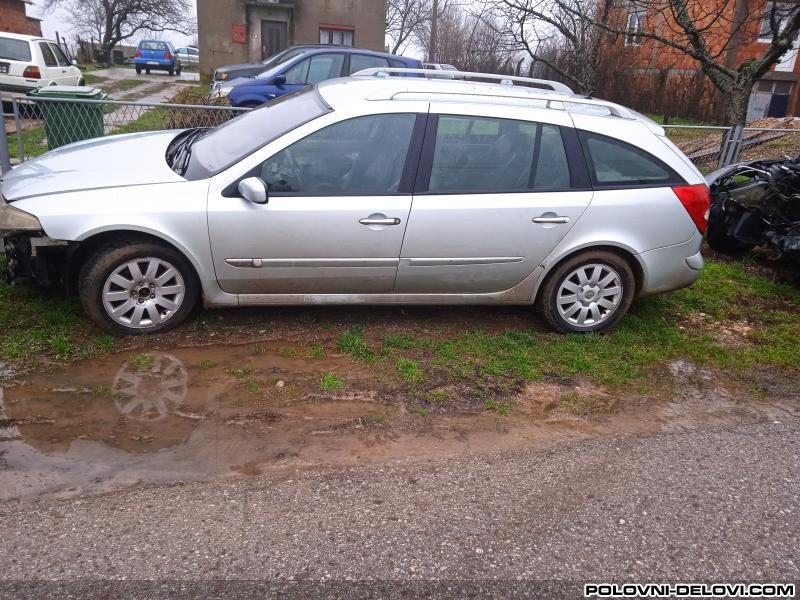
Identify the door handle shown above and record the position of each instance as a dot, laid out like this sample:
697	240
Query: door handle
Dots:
387	221
554	220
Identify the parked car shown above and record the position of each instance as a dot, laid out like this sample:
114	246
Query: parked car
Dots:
314	65
444	70
156	55
189	56
520	196
29	62
230	72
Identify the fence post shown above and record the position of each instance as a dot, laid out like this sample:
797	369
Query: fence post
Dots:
5	157
18	125
731	146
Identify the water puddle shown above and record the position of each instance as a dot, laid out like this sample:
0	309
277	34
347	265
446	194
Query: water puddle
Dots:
195	414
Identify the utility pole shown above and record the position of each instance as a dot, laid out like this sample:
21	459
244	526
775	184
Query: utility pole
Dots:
434	19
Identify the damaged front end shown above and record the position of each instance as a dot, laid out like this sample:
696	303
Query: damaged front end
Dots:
756	204
30	254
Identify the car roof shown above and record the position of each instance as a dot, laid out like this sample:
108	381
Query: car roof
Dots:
341	93
26	38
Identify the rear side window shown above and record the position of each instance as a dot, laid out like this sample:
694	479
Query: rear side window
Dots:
484	155
47	54
60	56
14	49
615	163
161	46
359	62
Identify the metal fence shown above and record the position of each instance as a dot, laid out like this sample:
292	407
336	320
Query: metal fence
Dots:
50	123
33	128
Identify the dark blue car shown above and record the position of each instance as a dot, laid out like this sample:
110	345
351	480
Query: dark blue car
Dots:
311	67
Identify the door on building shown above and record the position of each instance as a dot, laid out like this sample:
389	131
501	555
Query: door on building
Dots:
274	37
769	99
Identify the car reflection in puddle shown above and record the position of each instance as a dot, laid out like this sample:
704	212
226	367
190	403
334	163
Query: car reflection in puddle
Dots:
152	393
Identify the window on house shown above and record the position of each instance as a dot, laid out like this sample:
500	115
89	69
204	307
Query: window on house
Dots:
339	36
636	19
776	14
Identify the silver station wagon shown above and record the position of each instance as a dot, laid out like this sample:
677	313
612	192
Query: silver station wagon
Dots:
373	189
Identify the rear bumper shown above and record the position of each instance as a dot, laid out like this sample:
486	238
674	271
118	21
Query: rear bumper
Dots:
672	267
154	63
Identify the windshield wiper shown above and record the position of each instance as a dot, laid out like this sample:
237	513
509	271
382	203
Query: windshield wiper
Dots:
180	152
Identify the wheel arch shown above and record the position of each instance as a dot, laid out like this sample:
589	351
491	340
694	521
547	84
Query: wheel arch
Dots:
90	243
624	253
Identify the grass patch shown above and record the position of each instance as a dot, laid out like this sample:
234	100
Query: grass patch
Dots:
409	370
316	351
397	341
153	120
354	344
331	383
579	405
93	80
205	365
502	408
143	361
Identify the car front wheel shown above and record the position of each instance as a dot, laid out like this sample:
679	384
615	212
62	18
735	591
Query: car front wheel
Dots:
137	287
588	293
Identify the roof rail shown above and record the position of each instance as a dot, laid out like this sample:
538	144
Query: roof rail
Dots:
503	79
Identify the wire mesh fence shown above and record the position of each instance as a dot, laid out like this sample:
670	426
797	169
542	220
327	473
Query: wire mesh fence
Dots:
34	127
50	123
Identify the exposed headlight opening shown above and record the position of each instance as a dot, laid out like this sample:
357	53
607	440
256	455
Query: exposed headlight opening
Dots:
14	220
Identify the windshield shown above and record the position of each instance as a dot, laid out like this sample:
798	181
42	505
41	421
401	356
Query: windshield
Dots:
282	57
229	143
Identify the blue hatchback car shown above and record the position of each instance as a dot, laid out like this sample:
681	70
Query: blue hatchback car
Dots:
311	67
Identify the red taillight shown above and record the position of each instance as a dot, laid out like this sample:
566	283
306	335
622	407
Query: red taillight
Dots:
696	199
167	56
32	72
138	54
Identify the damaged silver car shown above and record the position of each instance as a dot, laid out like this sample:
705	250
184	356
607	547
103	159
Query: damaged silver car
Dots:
756	204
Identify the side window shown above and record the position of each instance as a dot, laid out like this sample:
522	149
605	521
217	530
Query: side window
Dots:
194	52
47	54
613	162
359	62
480	154
315	69
360	156
60	56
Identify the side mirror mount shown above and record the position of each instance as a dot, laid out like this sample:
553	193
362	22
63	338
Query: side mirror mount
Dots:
74	62
253	189
280	80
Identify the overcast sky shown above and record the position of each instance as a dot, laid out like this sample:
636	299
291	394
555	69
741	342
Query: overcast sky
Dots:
58	21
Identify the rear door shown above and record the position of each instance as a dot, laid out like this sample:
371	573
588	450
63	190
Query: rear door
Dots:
51	71
494	197
359	62
338	206
66	76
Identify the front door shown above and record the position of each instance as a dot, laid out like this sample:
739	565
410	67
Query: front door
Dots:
497	203
274	38
338	205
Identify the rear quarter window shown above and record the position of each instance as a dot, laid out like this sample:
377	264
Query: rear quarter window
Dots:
613	163
11	49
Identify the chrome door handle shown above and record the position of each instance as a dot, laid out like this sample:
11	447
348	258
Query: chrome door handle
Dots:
370	221
551	220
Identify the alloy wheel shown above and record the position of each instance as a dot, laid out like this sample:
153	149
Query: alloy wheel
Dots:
589	295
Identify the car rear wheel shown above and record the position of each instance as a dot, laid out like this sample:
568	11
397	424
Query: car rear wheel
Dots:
588	293
138	70
172	72
137	287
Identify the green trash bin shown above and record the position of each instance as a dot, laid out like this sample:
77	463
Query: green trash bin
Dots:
67	122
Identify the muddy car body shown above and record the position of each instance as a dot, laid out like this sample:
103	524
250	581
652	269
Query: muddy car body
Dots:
756	204
371	189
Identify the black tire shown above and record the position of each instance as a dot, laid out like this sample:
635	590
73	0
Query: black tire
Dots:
719	240
138	70
172	72
147	71
549	295
108	258
82	82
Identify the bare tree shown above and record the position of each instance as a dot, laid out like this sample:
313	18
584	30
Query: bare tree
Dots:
555	34
404	19
113	21
469	40
713	34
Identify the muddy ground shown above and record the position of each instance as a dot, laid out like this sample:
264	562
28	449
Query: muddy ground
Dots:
199	413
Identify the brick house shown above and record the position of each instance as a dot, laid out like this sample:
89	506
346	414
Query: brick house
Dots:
14	19
665	80
240	31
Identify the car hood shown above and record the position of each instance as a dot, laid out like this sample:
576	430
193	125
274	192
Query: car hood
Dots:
227	68
115	161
